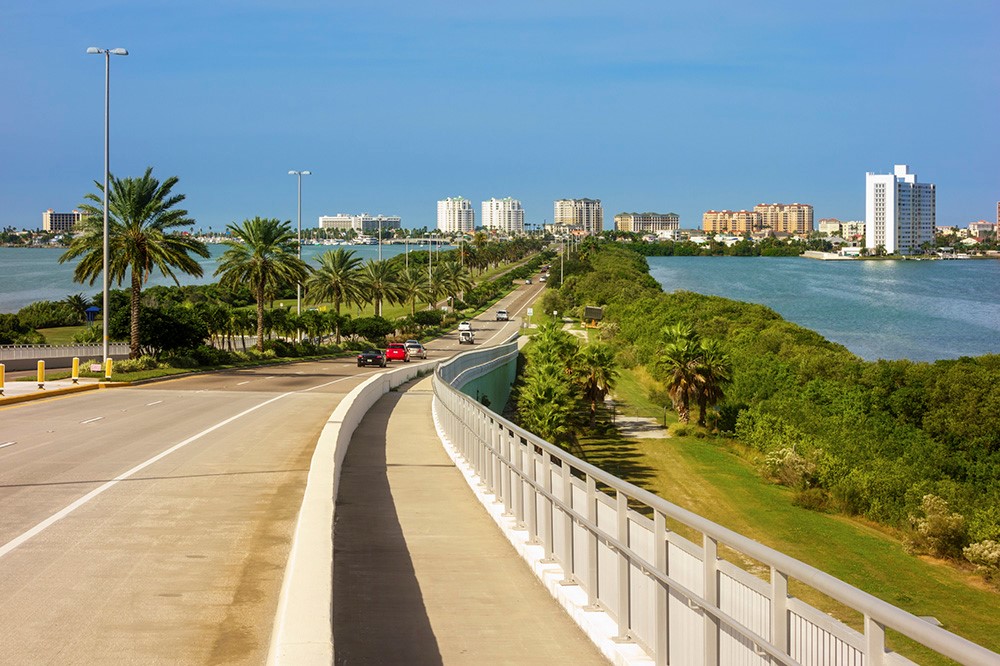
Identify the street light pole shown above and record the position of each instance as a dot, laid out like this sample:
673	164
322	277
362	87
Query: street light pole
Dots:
298	285
105	319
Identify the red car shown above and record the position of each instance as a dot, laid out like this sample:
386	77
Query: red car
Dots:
397	352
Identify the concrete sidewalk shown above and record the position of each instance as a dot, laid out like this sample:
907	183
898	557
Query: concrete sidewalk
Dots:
20	391
421	574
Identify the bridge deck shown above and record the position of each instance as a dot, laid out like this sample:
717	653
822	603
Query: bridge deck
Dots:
421	573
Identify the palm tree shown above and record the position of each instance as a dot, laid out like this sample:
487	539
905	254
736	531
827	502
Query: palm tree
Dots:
78	303
338	279
595	365
712	371
379	283
261	254
142	215
455	278
412	286
679	360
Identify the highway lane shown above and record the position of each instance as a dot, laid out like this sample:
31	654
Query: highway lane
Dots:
151	524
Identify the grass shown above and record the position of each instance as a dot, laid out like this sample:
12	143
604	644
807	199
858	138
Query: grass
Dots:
707	476
62	335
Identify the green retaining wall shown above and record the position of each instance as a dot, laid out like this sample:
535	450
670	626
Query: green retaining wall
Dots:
494	385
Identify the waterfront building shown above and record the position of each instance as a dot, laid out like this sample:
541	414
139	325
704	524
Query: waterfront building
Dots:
981	228
829	226
583	215
899	211
362	224
792	218
639	223
731	221
852	229
503	215
53	221
456	215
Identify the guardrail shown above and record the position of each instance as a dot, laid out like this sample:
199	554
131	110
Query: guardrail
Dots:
37	352
677	599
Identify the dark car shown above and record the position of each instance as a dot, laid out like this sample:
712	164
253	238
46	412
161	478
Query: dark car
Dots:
371	357
397	352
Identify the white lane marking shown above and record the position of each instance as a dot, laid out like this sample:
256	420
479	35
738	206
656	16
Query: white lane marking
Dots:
150	404
96	418
328	383
6	444
59	515
242	383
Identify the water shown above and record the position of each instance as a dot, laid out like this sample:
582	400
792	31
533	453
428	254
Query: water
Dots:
917	310
35	274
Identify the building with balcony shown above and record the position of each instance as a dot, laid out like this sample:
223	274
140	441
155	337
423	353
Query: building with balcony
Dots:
731	221
53	221
456	215
792	218
505	216
899	211
362	224
641	223
581	215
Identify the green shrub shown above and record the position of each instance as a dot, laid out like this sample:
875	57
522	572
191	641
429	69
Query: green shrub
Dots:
939	531
814	499
134	364
985	556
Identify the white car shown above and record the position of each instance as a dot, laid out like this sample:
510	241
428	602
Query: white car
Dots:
416	349
465	325
502	315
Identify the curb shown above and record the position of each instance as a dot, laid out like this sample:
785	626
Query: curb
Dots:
40	394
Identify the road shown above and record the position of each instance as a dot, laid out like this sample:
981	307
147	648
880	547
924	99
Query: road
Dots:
151	524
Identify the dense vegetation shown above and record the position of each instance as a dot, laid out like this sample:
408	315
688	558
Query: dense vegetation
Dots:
911	445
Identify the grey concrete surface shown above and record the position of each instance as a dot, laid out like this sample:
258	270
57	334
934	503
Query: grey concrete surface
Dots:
421	573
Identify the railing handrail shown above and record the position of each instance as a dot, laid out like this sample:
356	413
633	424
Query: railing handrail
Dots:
921	631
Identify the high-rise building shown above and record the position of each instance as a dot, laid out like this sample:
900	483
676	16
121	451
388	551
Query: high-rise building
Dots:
504	215
731	221
362	224
53	221
899	211
456	215
640	223
584	215
793	218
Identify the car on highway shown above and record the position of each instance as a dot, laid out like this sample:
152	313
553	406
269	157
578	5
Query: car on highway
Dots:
543	278
466	337
396	351
502	315
527	280
416	349
371	357
465	325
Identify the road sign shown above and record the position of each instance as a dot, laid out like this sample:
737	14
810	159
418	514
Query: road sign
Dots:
530	312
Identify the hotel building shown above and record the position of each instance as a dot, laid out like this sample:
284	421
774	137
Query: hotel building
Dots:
899	211
640	223
731	221
362	224
53	221
584	215
456	215
793	218
505	216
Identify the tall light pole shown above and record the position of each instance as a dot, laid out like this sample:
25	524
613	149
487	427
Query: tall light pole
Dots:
105	323
298	286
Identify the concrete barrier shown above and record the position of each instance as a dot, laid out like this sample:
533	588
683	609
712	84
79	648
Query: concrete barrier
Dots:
303	625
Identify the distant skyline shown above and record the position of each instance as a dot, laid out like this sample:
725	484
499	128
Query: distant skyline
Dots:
647	106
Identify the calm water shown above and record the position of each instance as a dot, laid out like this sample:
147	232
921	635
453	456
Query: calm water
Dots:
919	310
35	274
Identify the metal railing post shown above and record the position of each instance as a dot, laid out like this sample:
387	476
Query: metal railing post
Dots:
624	610
779	610
593	580
661	629
710	568
874	642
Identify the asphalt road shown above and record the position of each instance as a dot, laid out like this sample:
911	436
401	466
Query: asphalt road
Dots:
151	525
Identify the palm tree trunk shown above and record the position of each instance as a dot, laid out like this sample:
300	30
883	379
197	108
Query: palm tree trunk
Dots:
260	318
133	351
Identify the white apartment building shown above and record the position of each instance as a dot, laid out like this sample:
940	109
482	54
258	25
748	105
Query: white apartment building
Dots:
647	222
456	215
899	211
504	215
584	215
362	224
53	221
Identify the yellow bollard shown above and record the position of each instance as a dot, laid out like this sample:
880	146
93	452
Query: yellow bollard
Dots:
41	374
107	368
76	370
3	368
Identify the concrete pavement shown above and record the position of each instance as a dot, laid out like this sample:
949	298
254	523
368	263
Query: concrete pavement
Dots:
421	573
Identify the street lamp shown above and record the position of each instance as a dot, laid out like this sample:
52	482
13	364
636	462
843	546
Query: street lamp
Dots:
93	50
298	285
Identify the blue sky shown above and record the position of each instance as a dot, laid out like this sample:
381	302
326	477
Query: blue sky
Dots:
662	106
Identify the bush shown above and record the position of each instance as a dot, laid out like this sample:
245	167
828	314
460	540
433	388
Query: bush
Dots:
135	364
678	430
48	314
789	468
206	355
428	317
985	556
181	361
281	348
814	499
90	335
939	532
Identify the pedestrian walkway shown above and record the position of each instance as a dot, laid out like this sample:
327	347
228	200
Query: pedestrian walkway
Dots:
421	574
19	391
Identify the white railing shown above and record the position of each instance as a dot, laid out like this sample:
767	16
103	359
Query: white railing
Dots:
83	352
677	599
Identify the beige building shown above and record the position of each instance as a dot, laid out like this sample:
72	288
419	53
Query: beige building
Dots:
585	215
53	221
731	221
640	223
793	218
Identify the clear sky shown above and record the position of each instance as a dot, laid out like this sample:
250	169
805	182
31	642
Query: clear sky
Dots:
646	105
